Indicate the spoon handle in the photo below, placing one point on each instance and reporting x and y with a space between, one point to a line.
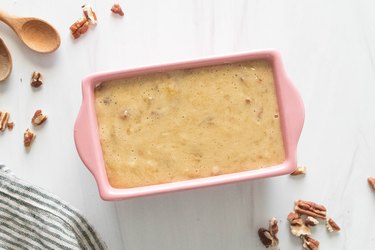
11 21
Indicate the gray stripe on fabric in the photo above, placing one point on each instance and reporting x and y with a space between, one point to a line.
31 207
24 216
55 208
59 204
20 236
38 234
5 247
62 213
10 242
26 205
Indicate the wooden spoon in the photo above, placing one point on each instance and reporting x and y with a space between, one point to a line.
37 34
5 61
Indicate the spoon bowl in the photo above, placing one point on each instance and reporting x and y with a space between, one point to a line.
5 61
37 34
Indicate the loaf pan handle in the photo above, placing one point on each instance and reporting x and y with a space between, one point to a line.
293 120
86 133
296 114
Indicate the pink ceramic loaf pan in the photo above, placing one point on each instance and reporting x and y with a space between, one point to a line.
87 137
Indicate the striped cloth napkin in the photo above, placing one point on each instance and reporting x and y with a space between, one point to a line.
31 218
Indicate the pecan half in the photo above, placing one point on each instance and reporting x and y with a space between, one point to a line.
299 171
38 118
371 182
36 79
332 226
79 27
28 138
310 243
116 8
89 13
4 117
310 209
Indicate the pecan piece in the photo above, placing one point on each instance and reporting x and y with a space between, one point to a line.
36 79
89 13
4 118
268 236
265 237
299 171
292 216
299 228
10 125
79 27
310 243
38 118
311 221
116 8
371 182
28 138
310 209
332 226
273 227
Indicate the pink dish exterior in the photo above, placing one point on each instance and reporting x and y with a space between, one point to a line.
88 144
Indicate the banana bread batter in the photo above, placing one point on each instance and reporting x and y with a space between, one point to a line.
192 123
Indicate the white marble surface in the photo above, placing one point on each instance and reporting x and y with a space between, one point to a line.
329 51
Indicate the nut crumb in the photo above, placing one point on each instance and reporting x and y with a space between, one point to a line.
215 170
79 27
4 118
89 13
310 243
107 100
332 226
36 79
371 182
116 8
125 114
38 118
260 113
28 138
299 171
